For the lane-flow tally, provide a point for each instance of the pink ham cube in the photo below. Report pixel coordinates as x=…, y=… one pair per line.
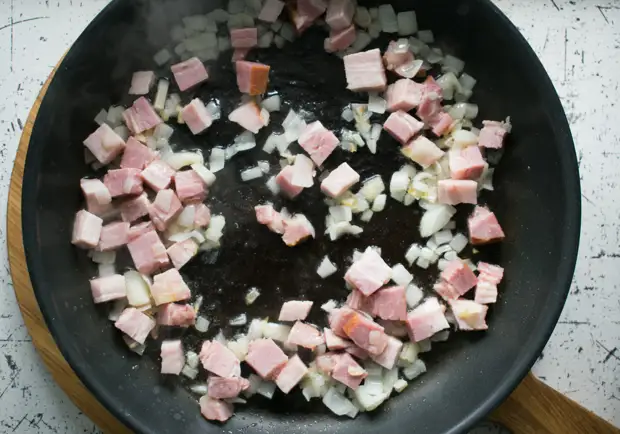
x=108, y=288
x=469, y=314
x=219, y=360
x=172, y=357
x=339, y=14
x=486, y=292
x=271, y=11
x=366, y=334
x=295, y=310
x=189, y=186
x=189, y=73
x=422, y=151
x=158, y=175
x=364, y=71
x=252, y=77
x=402, y=126
x=305, y=335
x=168, y=287
x=348, y=372
x=174, y=314
x=141, y=82
x=215, y=409
x=104, y=144
x=267, y=215
x=426, y=320
x=338, y=318
x=358, y=301
x=266, y=358
x=134, y=208
x=306, y=13
x=318, y=142
x=226, y=388
x=340, y=39
x=181, y=252
x=244, y=38
x=291, y=374
x=136, y=155
x=357, y=352
x=196, y=116
x=148, y=253
x=113, y=236
x=484, y=227
x=466, y=163
x=388, y=357
x=135, y=324
x=404, y=94
x=334, y=342
x=446, y=291
x=441, y=123
x=164, y=209
x=393, y=328
x=390, y=303
x=121, y=182
x=490, y=273
x=369, y=273
x=139, y=229
x=250, y=116
x=455, y=191
x=459, y=275
x=492, y=134
x=86, y=230
x=141, y=116
x=284, y=180
x=95, y=192
x=339, y=180
x=297, y=229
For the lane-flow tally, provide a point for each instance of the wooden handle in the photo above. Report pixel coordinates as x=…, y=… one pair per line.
x=535, y=408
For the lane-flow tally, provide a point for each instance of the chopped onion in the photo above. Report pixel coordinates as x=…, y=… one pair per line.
x=347, y=114
x=199, y=389
x=255, y=330
x=451, y=256
x=252, y=295
x=459, y=242
x=338, y=404
x=215, y=230
x=442, y=237
x=187, y=217
x=398, y=185
x=179, y=160
x=426, y=36
x=366, y=216
x=277, y=332
x=104, y=257
x=134, y=346
x=138, y=291
x=423, y=263
x=122, y=131
x=400, y=275
x=452, y=64
x=426, y=253
x=162, y=56
x=408, y=354
x=272, y=185
x=117, y=308
x=467, y=81
x=390, y=377
x=266, y=389
x=372, y=187
x=255, y=382
x=435, y=219
x=239, y=347
x=413, y=295
x=251, y=173
x=161, y=95
x=370, y=396
x=217, y=159
x=362, y=17
x=219, y=337
x=400, y=385
x=272, y=104
x=287, y=32
x=264, y=41
x=340, y=229
x=406, y=21
x=440, y=336
x=413, y=253
x=101, y=117
x=341, y=213
x=273, y=141
x=424, y=345
x=189, y=372
x=374, y=30
x=264, y=166
x=214, y=110
x=376, y=104
x=414, y=370
x=387, y=19
x=207, y=176
x=362, y=39
x=293, y=126
x=410, y=69
x=378, y=204
x=106, y=270
x=464, y=138
x=192, y=359
x=279, y=41
x=238, y=320
x=202, y=324
x=329, y=306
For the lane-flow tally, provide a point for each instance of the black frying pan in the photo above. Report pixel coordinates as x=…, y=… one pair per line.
x=537, y=201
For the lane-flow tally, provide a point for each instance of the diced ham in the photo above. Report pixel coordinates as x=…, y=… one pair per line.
x=139, y=229
x=426, y=319
x=123, y=181
x=174, y=314
x=219, y=360
x=455, y=191
x=348, y=372
x=297, y=229
x=305, y=335
x=393, y=328
x=172, y=357
x=334, y=342
x=271, y=11
x=266, y=215
x=358, y=301
x=291, y=374
x=338, y=318
x=95, y=193
x=393, y=58
x=135, y=324
x=136, y=155
x=459, y=275
x=357, y=352
x=326, y=362
x=249, y=116
x=446, y=291
x=441, y=123
x=369, y=273
x=202, y=215
x=196, y=116
x=339, y=180
x=466, y=163
x=318, y=142
x=141, y=82
x=113, y=236
x=266, y=358
x=340, y=39
x=134, y=208
x=181, y=252
x=108, y=288
x=402, y=126
x=422, y=151
x=486, y=292
x=104, y=144
x=148, y=253
x=430, y=105
x=214, y=409
x=164, y=209
x=189, y=186
x=390, y=303
x=295, y=310
x=366, y=334
x=339, y=14
x=158, y=175
x=252, y=77
x=404, y=94
x=484, y=227
x=303, y=171
x=244, y=38
x=141, y=116
x=189, y=73
x=168, y=287
x=469, y=314
x=388, y=357
x=364, y=71
x=284, y=181
x=307, y=12
x=226, y=388
x=490, y=273
x=492, y=134
x=86, y=230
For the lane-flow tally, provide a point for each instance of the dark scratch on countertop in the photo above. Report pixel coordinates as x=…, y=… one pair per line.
x=575, y=322
x=610, y=353
x=555, y=5
x=604, y=254
x=20, y=422
x=14, y=23
x=600, y=9
x=565, y=50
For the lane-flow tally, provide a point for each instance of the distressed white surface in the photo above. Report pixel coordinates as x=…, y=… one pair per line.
x=579, y=44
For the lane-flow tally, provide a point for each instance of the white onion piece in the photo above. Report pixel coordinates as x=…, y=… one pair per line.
x=103, y=257
x=219, y=337
x=277, y=332
x=199, y=389
x=362, y=40
x=117, y=308
x=452, y=64
x=106, y=270
x=414, y=370
x=372, y=187
x=414, y=295
x=264, y=41
x=341, y=213
x=426, y=36
x=378, y=204
x=122, y=131
x=423, y=263
x=266, y=389
x=440, y=336
x=464, y=138
x=205, y=174
x=189, y=372
x=370, y=395
x=410, y=69
x=366, y=216
x=400, y=275
x=374, y=30
x=376, y=104
x=202, y=324
x=400, y=385
x=179, y=160
x=451, y=256
x=187, y=217
x=347, y=114
x=161, y=95
x=435, y=219
x=387, y=19
x=343, y=228
x=251, y=173
x=217, y=159
x=272, y=185
x=192, y=359
x=459, y=242
x=406, y=22
x=238, y=320
x=255, y=382
x=467, y=81
x=255, y=330
x=279, y=41
x=442, y=237
x=426, y=253
x=424, y=346
x=408, y=354
x=390, y=377
x=214, y=110
x=215, y=230
x=272, y=104
x=287, y=32
x=239, y=347
x=115, y=115
x=138, y=291
x=252, y=295
x=101, y=117
x=398, y=185
x=293, y=126
x=362, y=17
x=338, y=404
x=329, y=306
x=162, y=56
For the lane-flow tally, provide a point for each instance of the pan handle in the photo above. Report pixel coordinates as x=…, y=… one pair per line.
x=535, y=408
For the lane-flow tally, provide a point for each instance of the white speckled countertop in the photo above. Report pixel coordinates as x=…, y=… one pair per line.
x=579, y=45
